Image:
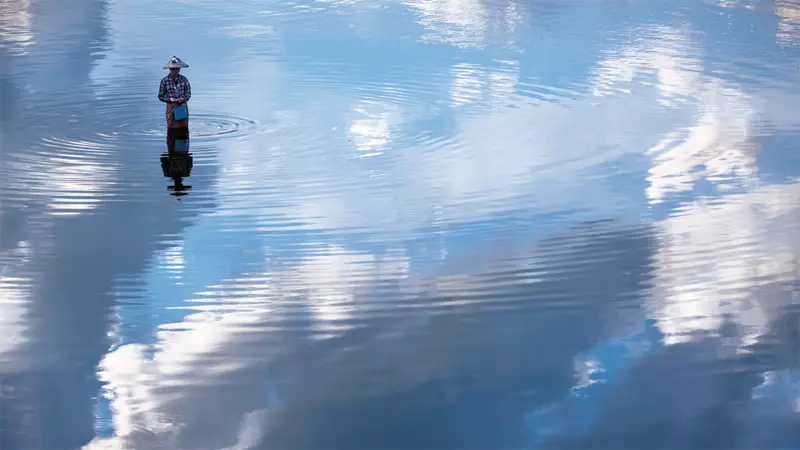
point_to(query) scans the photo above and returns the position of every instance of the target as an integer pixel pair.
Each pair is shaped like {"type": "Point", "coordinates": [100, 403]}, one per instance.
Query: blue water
{"type": "Point", "coordinates": [432, 224]}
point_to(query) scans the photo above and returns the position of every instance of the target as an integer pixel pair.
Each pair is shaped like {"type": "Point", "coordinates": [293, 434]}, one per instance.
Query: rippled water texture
{"type": "Point", "coordinates": [421, 224]}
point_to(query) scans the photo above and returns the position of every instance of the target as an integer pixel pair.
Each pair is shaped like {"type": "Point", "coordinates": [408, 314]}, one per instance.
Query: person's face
{"type": "Point", "coordinates": [174, 72]}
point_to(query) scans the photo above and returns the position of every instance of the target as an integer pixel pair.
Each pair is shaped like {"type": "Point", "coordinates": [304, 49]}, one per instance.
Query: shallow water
{"type": "Point", "coordinates": [423, 224]}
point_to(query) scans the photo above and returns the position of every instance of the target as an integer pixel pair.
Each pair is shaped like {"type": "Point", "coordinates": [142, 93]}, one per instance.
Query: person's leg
{"type": "Point", "coordinates": [171, 140]}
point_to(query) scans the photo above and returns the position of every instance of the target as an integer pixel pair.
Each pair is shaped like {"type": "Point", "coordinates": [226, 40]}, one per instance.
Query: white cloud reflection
{"type": "Point", "coordinates": [72, 176]}
{"type": "Point", "coordinates": [721, 259]}
{"type": "Point", "coordinates": [220, 350]}
{"type": "Point", "coordinates": [466, 23]}
{"type": "Point", "coordinates": [474, 83]}
{"type": "Point", "coordinates": [729, 260]}
{"type": "Point", "coordinates": [789, 24]}
{"type": "Point", "coordinates": [15, 293]}
{"type": "Point", "coordinates": [667, 53]}
{"type": "Point", "coordinates": [507, 140]}
{"type": "Point", "coordinates": [455, 21]}
{"type": "Point", "coordinates": [369, 131]}
{"type": "Point", "coordinates": [15, 29]}
{"type": "Point", "coordinates": [716, 148]}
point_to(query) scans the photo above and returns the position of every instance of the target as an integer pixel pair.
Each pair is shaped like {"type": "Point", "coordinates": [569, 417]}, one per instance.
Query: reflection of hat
{"type": "Point", "coordinates": [175, 63]}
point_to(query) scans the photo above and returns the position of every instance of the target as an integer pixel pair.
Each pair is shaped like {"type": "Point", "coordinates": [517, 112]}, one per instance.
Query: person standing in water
{"type": "Point", "coordinates": [175, 91]}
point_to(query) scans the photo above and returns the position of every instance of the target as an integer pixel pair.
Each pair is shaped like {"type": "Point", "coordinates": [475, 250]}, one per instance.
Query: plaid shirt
{"type": "Point", "coordinates": [178, 89]}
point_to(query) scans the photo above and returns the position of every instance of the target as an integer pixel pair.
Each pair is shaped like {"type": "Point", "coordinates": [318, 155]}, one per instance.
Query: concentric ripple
{"type": "Point", "coordinates": [73, 175]}
{"type": "Point", "coordinates": [202, 126]}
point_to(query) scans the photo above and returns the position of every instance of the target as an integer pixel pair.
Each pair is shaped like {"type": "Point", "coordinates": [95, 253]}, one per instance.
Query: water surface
{"type": "Point", "coordinates": [465, 224]}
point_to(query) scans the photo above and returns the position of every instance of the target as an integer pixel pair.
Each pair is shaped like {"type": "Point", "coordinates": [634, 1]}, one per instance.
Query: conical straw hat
{"type": "Point", "coordinates": [175, 63]}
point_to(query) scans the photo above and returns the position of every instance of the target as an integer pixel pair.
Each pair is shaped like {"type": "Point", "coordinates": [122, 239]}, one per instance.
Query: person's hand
{"type": "Point", "coordinates": [173, 100]}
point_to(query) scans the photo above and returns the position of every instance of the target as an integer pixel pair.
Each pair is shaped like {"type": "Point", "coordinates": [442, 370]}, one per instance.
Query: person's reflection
{"type": "Point", "coordinates": [177, 162]}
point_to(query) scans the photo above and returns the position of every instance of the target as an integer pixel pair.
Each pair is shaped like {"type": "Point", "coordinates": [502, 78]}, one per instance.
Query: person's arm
{"type": "Point", "coordinates": [188, 92]}
{"type": "Point", "coordinates": [162, 92]}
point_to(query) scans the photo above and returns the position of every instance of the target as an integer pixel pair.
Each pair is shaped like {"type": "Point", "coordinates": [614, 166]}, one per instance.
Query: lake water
{"type": "Point", "coordinates": [412, 224]}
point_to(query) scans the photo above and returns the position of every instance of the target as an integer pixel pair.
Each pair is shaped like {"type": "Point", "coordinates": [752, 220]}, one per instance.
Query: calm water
{"type": "Point", "coordinates": [421, 224]}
